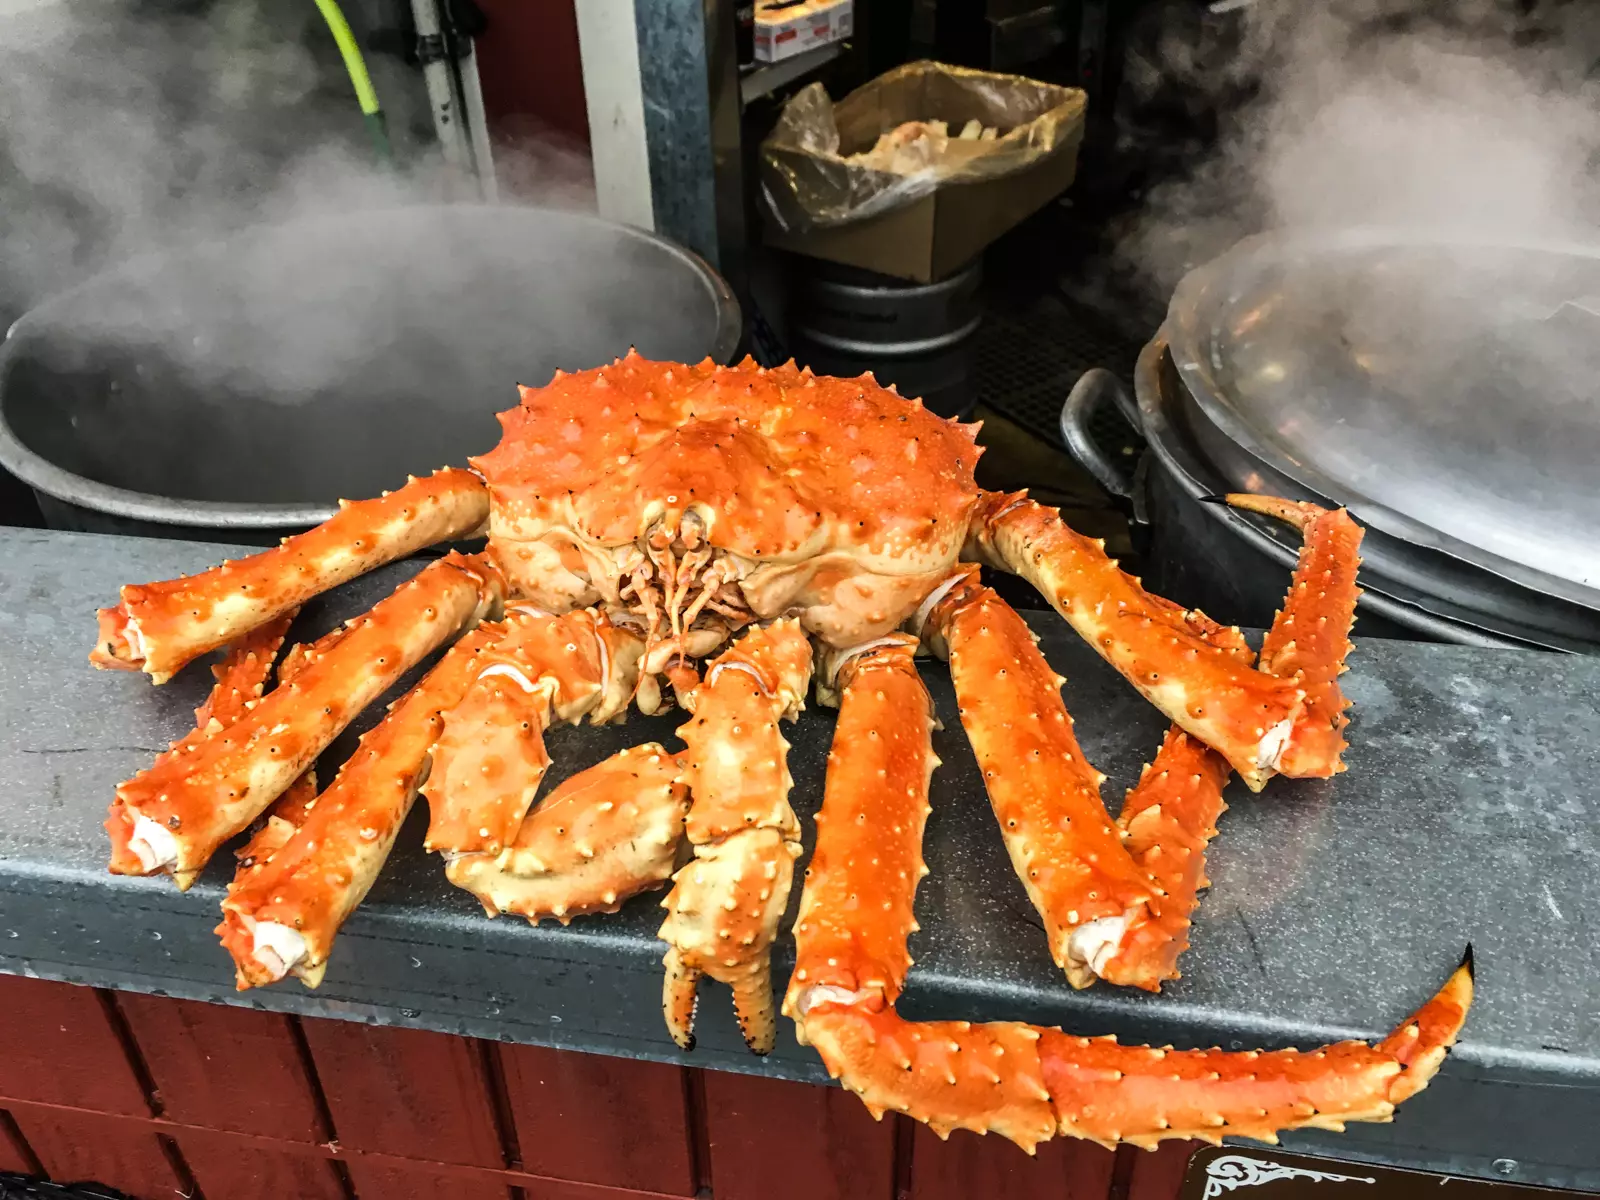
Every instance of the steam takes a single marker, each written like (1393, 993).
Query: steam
(1464, 118)
(137, 126)
(347, 336)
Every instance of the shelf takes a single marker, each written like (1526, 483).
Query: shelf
(765, 78)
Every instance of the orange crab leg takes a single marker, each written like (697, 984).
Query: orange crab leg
(1029, 1083)
(1247, 716)
(161, 627)
(1167, 821)
(491, 757)
(1045, 794)
(855, 912)
(1310, 636)
(1111, 1093)
(724, 907)
(1025, 1082)
(178, 812)
(278, 824)
(283, 909)
(604, 835)
(240, 679)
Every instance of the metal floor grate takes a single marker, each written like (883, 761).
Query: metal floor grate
(1026, 359)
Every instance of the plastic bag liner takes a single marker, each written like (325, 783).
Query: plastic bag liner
(809, 182)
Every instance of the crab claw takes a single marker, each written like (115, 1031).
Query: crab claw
(722, 917)
(725, 905)
(605, 834)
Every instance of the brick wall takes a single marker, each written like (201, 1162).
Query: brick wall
(152, 1095)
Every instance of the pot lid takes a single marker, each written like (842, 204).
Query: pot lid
(1447, 392)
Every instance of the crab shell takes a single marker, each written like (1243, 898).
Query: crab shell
(836, 499)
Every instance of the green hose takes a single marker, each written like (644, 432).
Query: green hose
(366, 94)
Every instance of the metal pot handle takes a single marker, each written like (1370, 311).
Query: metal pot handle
(1088, 395)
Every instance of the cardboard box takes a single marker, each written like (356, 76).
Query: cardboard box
(783, 30)
(925, 227)
(940, 233)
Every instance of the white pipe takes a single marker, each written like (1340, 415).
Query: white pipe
(608, 44)
(441, 88)
(478, 125)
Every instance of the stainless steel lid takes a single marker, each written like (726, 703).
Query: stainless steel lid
(1448, 393)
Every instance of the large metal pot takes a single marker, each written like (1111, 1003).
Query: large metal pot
(240, 389)
(1283, 367)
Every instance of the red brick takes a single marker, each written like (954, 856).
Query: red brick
(57, 1046)
(86, 1148)
(406, 1091)
(596, 1119)
(775, 1140)
(224, 1068)
(969, 1165)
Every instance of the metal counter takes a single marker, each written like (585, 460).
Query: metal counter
(1469, 814)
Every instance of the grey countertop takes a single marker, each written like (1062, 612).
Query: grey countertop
(1469, 813)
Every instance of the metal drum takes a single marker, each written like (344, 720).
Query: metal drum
(917, 337)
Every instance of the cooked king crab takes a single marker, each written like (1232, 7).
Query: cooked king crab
(649, 519)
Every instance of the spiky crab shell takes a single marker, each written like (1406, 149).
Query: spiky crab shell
(781, 465)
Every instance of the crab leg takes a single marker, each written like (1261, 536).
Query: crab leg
(724, 907)
(1026, 1082)
(1172, 813)
(279, 823)
(604, 835)
(1029, 1083)
(855, 912)
(490, 758)
(1063, 845)
(240, 679)
(1166, 822)
(1247, 716)
(285, 906)
(161, 627)
(1310, 636)
(177, 813)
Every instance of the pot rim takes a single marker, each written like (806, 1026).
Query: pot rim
(1382, 595)
(1188, 340)
(38, 472)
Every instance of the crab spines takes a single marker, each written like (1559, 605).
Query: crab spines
(181, 809)
(1166, 821)
(491, 756)
(1111, 1093)
(1063, 845)
(948, 1074)
(288, 901)
(1244, 714)
(607, 833)
(1310, 637)
(856, 909)
(1421, 1042)
(161, 627)
(726, 902)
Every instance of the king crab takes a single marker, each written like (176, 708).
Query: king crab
(721, 539)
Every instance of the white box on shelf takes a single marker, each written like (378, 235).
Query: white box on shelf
(786, 29)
